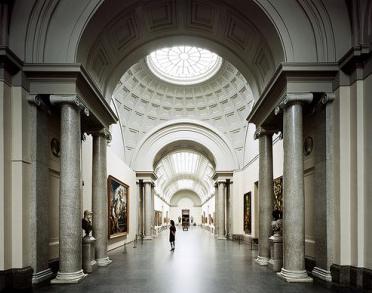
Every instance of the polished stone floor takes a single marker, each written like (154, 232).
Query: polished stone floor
(199, 264)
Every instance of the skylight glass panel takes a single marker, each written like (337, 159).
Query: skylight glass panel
(184, 65)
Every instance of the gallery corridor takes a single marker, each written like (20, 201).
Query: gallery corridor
(200, 263)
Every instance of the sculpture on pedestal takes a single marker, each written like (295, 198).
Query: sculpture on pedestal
(89, 262)
(277, 223)
(86, 222)
(276, 251)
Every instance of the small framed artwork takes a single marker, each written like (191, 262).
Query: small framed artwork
(118, 207)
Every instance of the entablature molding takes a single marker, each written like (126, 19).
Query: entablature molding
(71, 79)
(9, 62)
(291, 79)
(222, 176)
(146, 176)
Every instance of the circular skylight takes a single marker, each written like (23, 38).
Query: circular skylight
(184, 65)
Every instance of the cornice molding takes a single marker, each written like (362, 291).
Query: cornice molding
(292, 78)
(61, 79)
(146, 175)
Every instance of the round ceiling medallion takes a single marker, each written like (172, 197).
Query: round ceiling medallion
(184, 65)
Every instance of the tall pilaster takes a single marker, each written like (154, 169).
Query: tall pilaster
(220, 202)
(266, 193)
(38, 211)
(325, 256)
(294, 200)
(70, 240)
(99, 191)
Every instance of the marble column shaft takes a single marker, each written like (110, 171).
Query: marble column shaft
(70, 244)
(229, 207)
(148, 209)
(266, 193)
(221, 210)
(140, 207)
(294, 200)
(99, 200)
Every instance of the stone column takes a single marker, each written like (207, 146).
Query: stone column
(266, 194)
(294, 200)
(220, 200)
(229, 207)
(148, 209)
(70, 240)
(99, 196)
(153, 208)
(140, 206)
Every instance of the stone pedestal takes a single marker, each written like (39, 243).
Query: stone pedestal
(276, 253)
(89, 262)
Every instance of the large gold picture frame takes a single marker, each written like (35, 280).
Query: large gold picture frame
(118, 207)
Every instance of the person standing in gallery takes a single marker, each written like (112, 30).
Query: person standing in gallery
(172, 235)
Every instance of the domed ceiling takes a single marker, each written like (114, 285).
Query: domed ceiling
(144, 99)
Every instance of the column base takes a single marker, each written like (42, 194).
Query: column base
(103, 262)
(68, 278)
(322, 274)
(42, 276)
(262, 261)
(147, 237)
(294, 276)
(221, 238)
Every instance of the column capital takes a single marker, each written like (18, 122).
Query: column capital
(104, 132)
(327, 98)
(261, 131)
(290, 99)
(69, 99)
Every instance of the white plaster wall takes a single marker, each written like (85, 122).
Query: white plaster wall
(86, 172)
(209, 207)
(186, 203)
(161, 206)
(118, 169)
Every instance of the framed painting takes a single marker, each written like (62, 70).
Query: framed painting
(247, 213)
(118, 207)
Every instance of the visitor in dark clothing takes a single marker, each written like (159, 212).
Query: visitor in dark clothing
(172, 235)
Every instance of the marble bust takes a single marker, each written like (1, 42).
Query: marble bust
(277, 223)
(86, 222)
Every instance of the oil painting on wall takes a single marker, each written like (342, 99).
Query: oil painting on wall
(247, 213)
(118, 196)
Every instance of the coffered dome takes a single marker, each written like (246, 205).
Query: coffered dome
(143, 100)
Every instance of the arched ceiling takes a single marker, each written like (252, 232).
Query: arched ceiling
(179, 195)
(143, 101)
(122, 32)
(184, 170)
